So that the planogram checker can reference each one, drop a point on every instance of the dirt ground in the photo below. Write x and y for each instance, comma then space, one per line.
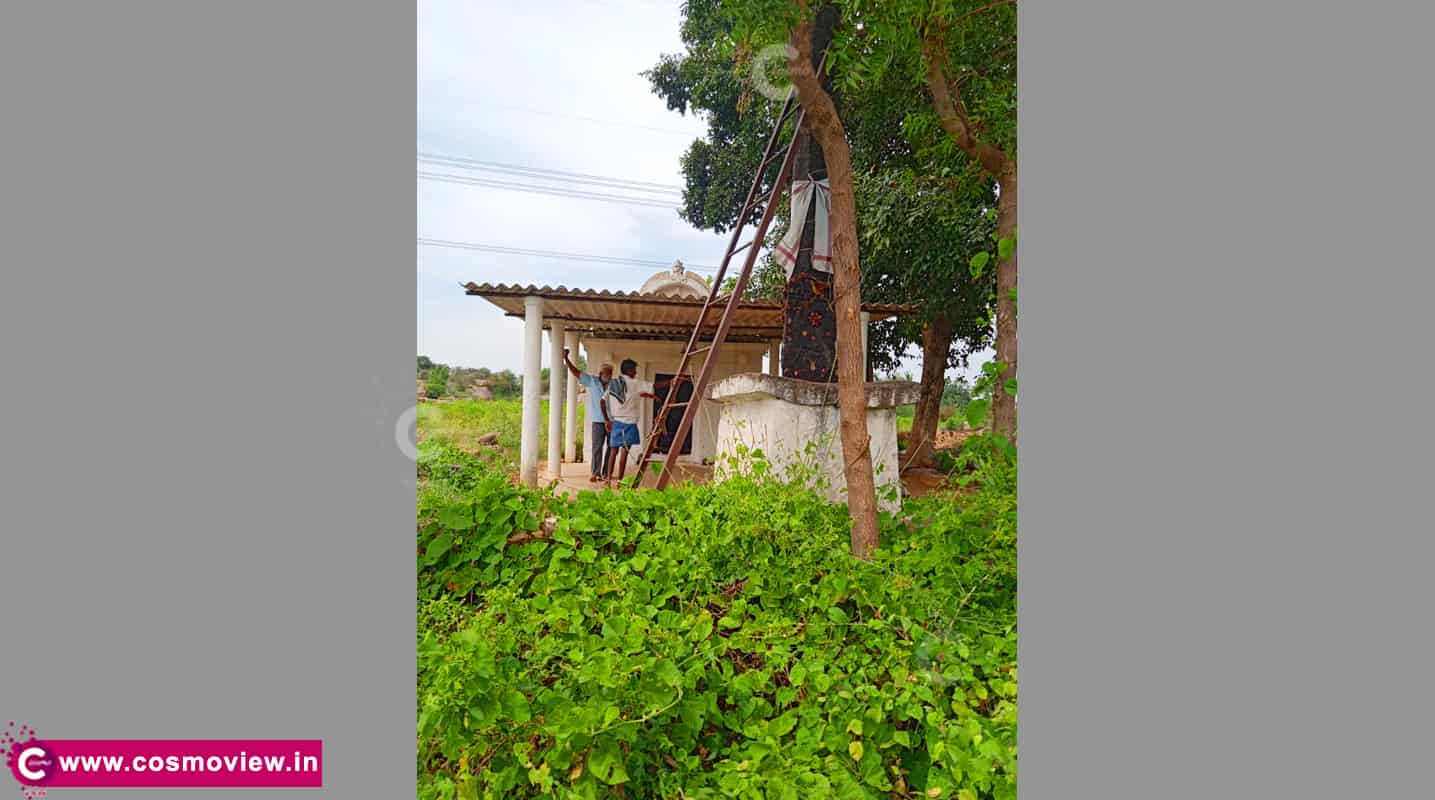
920, 481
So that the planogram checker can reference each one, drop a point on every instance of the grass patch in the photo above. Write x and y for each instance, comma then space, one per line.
462, 423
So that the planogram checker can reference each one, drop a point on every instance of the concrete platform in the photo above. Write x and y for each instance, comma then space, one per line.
794, 423
574, 478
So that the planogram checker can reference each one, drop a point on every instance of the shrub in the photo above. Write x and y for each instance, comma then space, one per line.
713, 641
437, 381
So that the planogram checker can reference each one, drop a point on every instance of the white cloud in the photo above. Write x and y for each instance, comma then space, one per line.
504, 82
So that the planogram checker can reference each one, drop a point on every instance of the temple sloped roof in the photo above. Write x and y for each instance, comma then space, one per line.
635, 315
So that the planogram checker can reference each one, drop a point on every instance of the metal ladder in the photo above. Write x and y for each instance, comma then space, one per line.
729, 301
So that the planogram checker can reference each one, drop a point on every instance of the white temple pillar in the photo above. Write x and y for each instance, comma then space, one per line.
866, 323
556, 373
774, 367
532, 376
570, 403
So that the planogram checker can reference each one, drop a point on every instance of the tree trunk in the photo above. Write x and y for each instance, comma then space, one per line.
952, 114
921, 443
809, 330
1004, 402
847, 292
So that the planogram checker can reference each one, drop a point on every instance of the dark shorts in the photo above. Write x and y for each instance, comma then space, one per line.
624, 434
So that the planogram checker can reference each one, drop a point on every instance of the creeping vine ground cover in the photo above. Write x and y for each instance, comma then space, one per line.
714, 641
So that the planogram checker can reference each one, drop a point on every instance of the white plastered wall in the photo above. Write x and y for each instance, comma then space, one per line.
784, 431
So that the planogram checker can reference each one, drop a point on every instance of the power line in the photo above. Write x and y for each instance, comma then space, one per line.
536, 172
583, 195
524, 251
673, 131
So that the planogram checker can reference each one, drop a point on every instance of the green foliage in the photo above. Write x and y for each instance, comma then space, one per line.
992, 372
881, 43
714, 641
987, 460
505, 384
921, 205
914, 242
977, 411
956, 394
462, 535
437, 381
449, 381
905, 416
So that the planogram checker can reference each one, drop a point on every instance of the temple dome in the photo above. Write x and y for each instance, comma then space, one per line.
676, 280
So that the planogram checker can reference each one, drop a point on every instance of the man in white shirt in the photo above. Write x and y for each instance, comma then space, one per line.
623, 403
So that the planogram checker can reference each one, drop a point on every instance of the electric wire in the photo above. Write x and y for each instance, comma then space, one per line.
525, 251
439, 159
554, 191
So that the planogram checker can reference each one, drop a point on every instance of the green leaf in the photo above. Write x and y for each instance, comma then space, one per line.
515, 706
438, 547
1005, 247
667, 672
780, 726
837, 615
779, 789
977, 412
702, 629
483, 708
979, 262
854, 749
498, 516
606, 761
797, 675
458, 517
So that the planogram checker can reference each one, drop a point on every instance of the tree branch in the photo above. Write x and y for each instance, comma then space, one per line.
951, 111
821, 111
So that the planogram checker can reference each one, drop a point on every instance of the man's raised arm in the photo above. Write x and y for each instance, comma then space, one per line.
577, 373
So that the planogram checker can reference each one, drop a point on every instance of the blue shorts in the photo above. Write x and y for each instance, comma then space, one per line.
624, 434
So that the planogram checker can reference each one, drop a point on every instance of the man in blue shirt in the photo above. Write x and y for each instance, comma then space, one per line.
598, 422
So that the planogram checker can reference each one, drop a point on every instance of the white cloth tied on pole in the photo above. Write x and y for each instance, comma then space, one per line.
803, 194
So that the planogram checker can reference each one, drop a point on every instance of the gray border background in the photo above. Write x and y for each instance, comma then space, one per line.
1225, 357
208, 326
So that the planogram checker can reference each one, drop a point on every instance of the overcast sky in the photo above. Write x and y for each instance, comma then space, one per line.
553, 85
